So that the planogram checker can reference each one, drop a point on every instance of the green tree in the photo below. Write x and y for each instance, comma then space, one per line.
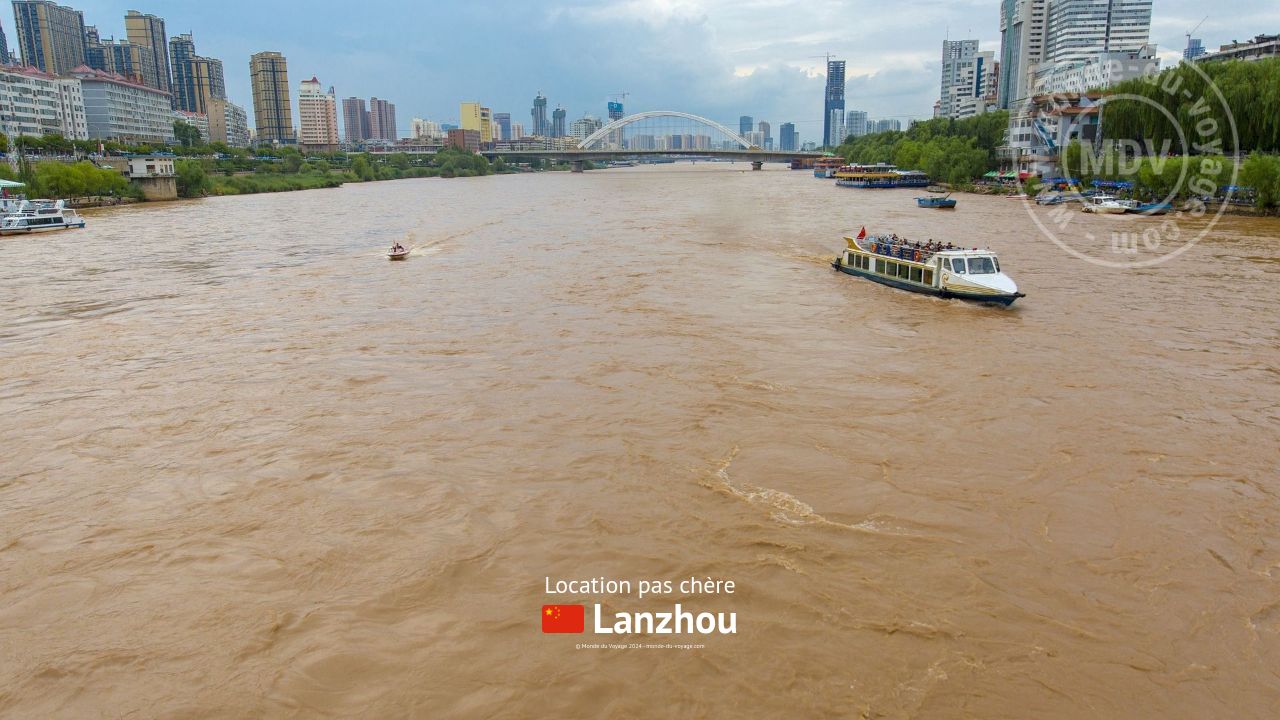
188, 135
1262, 174
192, 179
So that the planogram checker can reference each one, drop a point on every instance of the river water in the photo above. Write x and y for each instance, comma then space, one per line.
250, 468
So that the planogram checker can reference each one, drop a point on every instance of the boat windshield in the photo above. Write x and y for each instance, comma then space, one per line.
981, 266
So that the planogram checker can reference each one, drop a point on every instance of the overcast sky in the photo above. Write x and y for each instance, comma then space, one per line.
717, 58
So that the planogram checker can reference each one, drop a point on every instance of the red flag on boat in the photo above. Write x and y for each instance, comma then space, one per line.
863, 233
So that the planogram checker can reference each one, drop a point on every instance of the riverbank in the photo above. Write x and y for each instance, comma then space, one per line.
1220, 207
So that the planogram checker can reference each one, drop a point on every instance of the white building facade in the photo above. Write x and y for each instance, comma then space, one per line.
124, 111
36, 103
317, 117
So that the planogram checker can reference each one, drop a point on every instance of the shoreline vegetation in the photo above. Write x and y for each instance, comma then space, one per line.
54, 167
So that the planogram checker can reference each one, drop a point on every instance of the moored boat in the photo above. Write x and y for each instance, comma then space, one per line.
1108, 205
40, 216
1162, 208
826, 167
942, 203
944, 272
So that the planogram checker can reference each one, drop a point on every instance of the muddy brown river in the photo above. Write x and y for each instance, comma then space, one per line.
249, 468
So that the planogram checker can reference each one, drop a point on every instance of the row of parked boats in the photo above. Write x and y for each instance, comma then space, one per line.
19, 216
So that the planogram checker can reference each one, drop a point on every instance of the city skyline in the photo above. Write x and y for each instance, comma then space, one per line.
729, 61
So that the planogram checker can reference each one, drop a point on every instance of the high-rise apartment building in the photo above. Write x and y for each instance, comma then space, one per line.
746, 124
197, 80
382, 120
558, 128
469, 116
517, 131
541, 128
1022, 42
968, 77
36, 103
502, 126
228, 123
1079, 30
582, 128
855, 123
833, 104
788, 139
317, 117
486, 125
272, 110
136, 62
50, 36
355, 120
767, 133
148, 31
117, 109
181, 49
4, 47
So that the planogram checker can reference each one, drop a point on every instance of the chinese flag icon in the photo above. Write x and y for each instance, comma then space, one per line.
563, 618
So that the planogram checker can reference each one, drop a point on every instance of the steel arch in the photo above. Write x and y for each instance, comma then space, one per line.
619, 124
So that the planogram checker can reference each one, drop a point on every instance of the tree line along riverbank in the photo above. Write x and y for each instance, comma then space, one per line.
52, 166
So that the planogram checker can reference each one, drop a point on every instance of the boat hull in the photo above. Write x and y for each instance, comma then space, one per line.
936, 203
41, 228
397, 256
1002, 299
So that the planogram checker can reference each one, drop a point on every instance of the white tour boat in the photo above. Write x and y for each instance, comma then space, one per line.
40, 216
949, 273
1108, 205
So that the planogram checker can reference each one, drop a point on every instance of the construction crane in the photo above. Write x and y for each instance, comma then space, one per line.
1194, 29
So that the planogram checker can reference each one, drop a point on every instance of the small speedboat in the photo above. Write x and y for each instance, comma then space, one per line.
942, 203
398, 252
1050, 200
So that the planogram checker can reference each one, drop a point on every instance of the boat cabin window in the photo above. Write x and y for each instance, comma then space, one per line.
981, 266
915, 274
957, 265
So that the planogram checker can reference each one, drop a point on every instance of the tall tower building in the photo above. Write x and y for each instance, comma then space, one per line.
355, 120
4, 47
1022, 36
469, 116
272, 112
765, 132
136, 62
833, 103
181, 50
382, 120
50, 36
540, 126
148, 31
1078, 30
502, 126
968, 77
317, 117
558, 122
787, 137
746, 124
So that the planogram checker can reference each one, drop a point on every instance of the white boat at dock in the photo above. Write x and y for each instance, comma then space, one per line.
29, 216
1108, 205
948, 273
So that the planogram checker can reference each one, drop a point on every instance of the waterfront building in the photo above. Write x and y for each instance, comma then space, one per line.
228, 123
967, 77
148, 31
788, 138
583, 127
766, 132
1022, 36
199, 121
33, 102
502, 126
317, 117
50, 36
118, 109
272, 109
355, 120
154, 175
558, 122
1259, 48
464, 139
541, 128
746, 124
382, 120
1079, 30
833, 104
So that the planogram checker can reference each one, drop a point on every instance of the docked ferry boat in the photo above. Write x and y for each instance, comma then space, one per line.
880, 176
950, 273
1108, 205
40, 216
826, 167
